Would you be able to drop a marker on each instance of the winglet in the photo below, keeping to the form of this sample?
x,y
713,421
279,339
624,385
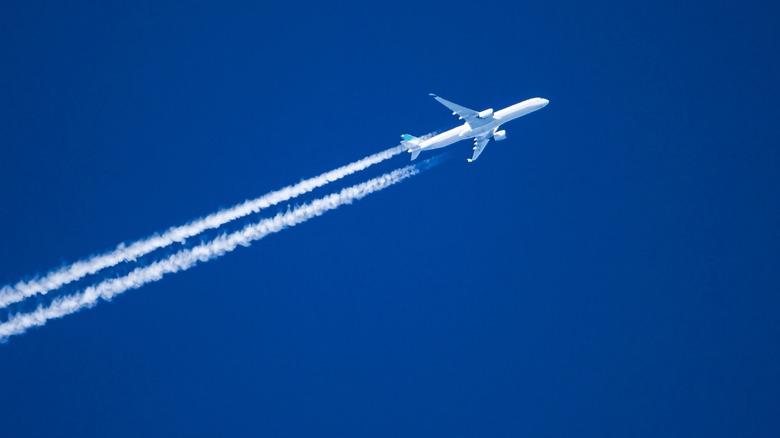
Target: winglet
x,y
462,112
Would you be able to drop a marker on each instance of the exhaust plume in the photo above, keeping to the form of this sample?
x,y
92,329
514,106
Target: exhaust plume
x,y
70,273
187,258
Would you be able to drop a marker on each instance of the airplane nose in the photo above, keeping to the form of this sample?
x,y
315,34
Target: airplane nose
x,y
544,102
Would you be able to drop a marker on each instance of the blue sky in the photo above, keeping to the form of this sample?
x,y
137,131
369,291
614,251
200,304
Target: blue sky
x,y
611,269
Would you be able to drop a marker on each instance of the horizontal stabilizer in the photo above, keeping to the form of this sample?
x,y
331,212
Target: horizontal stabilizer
x,y
412,144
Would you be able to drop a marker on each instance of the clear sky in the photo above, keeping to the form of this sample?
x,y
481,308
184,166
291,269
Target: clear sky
x,y
611,269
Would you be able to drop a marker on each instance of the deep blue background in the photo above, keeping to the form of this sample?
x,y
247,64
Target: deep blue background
x,y
609,270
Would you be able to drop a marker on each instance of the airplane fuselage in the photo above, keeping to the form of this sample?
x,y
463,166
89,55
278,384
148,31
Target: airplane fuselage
x,y
482,127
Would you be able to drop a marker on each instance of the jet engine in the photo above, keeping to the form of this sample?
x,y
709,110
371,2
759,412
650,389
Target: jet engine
x,y
485,114
499,135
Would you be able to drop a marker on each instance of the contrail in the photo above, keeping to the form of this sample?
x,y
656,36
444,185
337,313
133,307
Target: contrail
x,y
187,258
67,274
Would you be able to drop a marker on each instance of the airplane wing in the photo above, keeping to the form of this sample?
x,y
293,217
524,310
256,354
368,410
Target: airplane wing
x,y
479,146
461,111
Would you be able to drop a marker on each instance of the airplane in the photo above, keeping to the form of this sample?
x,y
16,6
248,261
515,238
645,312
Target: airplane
x,y
479,125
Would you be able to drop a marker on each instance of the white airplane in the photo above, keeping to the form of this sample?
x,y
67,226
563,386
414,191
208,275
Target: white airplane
x,y
480,125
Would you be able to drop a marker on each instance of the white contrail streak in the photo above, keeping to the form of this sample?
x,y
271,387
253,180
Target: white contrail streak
x,y
67,274
188,258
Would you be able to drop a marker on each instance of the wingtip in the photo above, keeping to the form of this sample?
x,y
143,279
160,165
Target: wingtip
x,y
469,160
431,94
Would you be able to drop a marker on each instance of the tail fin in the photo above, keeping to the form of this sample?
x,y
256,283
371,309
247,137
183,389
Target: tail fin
x,y
412,144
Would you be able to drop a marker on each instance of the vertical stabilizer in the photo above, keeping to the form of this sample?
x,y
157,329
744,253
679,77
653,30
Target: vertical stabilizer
x,y
412,145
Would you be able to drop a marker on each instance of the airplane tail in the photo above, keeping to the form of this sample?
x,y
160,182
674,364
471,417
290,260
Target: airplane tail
x,y
412,145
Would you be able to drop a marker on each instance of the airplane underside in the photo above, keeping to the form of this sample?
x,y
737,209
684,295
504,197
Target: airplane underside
x,y
480,126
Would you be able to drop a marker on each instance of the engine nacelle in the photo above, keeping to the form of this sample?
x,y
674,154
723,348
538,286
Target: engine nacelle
x,y
485,114
499,135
